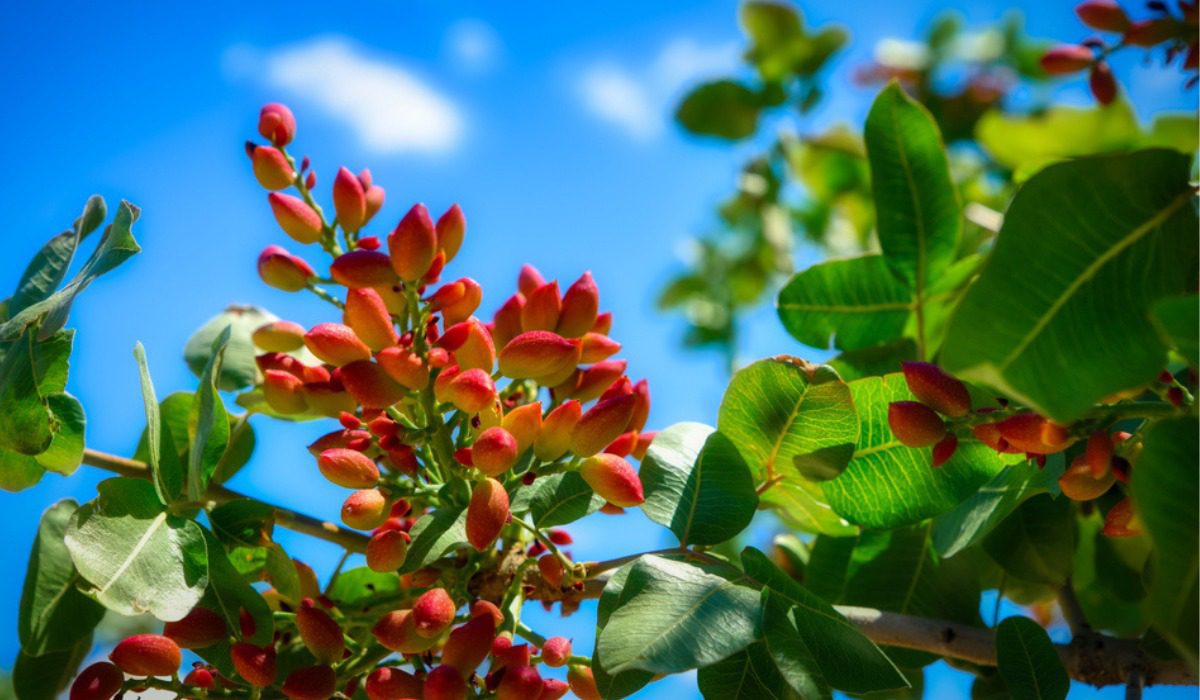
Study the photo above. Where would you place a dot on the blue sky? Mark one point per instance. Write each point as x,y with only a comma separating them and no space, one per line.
549,125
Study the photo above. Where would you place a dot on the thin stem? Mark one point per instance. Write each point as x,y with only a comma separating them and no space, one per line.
337,571
531,636
321,292
1072,611
562,558
284,517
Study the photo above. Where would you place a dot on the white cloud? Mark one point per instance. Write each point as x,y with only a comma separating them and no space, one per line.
640,101
474,46
389,107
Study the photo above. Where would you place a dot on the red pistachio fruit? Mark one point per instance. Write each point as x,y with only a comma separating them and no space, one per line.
614,479
321,634
445,683
147,655
392,684
487,513
556,651
255,664
310,683
276,124
433,612
387,550
198,629
936,389
915,424
348,468
100,681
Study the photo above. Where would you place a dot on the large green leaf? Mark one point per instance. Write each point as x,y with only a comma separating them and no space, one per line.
238,369
116,246
136,557
49,267
242,522
1028,662
918,214
1165,495
1036,542
54,614
975,517
1059,317
208,423
1178,320
625,683
19,472
435,534
888,484
355,586
231,594
557,499
776,34
750,674
45,677
160,447
787,649
697,484
64,454
675,616
855,302
722,108
174,412
846,658
25,422
781,410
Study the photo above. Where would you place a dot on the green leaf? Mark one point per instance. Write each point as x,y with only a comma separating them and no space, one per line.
242,522
676,616
1165,495
65,452
208,424
54,614
45,677
1036,542
785,646
160,447
1059,317
174,411
888,484
824,463
282,574
238,369
355,586
25,422
697,484
1178,322
138,558
49,267
975,517
116,246
1028,662
874,361
723,108
52,360
848,660
750,674
779,409
231,593
776,33
19,472
918,215
854,302
557,499
625,683
435,534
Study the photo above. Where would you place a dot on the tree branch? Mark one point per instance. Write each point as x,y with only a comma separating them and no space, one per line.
284,517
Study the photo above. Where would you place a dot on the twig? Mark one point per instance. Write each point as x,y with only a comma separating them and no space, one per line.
284,517
1072,611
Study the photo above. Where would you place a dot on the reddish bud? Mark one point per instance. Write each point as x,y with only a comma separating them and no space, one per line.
1105,15
597,378
320,633
553,689
539,355
349,200
370,385
936,389
524,422
519,683
494,451
310,683
365,509
338,438
362,268
413,244
310,182
542,308
484,608
1099,453
296,218
1079,483
368,316
255,664
1150,32
915,424
1067,58
471,391
392,684
603,323
147,655
579,307
596,347
1029,432
271,168
282,270
451,229
944,450
469,644
487,513
529,279
276,124
554,439
582,682
279,336
100,681
336,344
614,479
386,550
445,683
284,392
561,537
446,295
199,677
506,324
1121,521
198,629
396,631
405,366
551,569
348,468
643,443
476,350
601,425
328,398
462,307
641,409
556,651
433,612
623,445
1102,83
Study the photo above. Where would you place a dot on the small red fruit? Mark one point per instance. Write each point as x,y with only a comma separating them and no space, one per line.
370,385
1067,58
368,316
272,168
445,683
551,569
519,683
277,124
602,424
1079,483
614,479
494,451
336,344
554,439
487,514
540,355
944,450
1030,432
296,218
451,229
147,655
364,509
348,468
582,682
100,681
321,634
198,629
387,550
580,305
1105,15
282,270
556,651
255,664
1121,521
413,244
310,683
392,684
469,644
349,200
936,389
1102,83
433,612
396,631
915,424
362,268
